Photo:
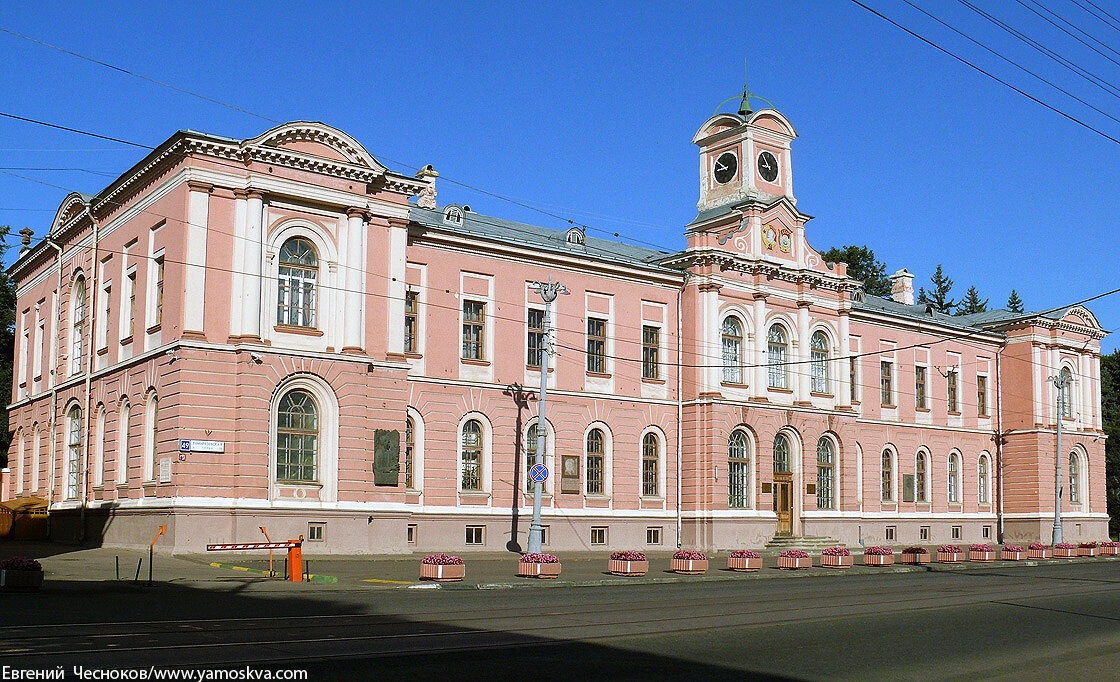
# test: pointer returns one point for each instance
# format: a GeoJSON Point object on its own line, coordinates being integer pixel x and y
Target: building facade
{"type": "Point", "coordinates": [282, 332]}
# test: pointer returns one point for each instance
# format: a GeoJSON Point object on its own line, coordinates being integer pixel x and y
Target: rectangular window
{"type": "Point", "coordinates": [649, 471]}
{"type": "Point", "coordinates": [653, 535]}
{"type": "Point", "coordinates": [598, 535]}
{"type": "Point", "coordinates": [923, 533]}
{"type": "Point", "coordinates": [920, 387]}
{"type": "Point", "coordinates": [594, 474]}
{"type": "Point", "coordinates": [410, 341]}
{"type": "Point", "coordinates": [159, 291]}
{"type": "Point", "coordinates": [410, 534]}
{"type": "Point", "coordinates": [853, 385]}
{"type": "Point", "coordinates": [952, 390]}
{"type": "Point", "coordinates": [474, 313]}
{"type": "Point", "coordinates": [534, 340]}
{"type": "Point", "coordinates": [956, 532]}
{"type": "Point", "coordinates": [596, 345]}
{"type": "Point", "coordinates": [106, 310]}
{"type": "Point", "coordinates": [982, 396]}
{"type": "Point", "coordinates": [651, 340]}
{"type": "Point", "coordinates": [476, 535]}
{"type": "Point", "coordinates": [544, 535]}
{"type": "Point", "coordinates": [130, 324]}
{"type": "Point", "coordinates": [885, 387]}
{"type": "Point", "coordinates": [889, 535]}
{"type": "Point", "coordinates": [986, 532]}
{"type": "Point", "coordinates": [315, 531]}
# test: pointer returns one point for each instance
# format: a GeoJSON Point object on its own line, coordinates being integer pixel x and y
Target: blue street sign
{"type": "Point", "coordinates": [538, 473]}
{"type": "Point", "coordinates": [184, 446]}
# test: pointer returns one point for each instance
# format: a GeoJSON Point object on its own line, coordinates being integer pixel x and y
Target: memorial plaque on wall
{"type": "Point", "coordinates": [908, 487]}
{"type": "Point", "coordinates": [569, 474]}
{"type": "Point", "coordinates": [386, 457]}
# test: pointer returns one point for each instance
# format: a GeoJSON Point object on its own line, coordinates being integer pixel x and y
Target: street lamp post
{"type": "Point", "coordinates": [548, 292]}
{"type": "Point", "coordinates": [1061, 383]}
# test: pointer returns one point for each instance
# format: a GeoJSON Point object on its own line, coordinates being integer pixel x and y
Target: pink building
{"type": "Point", "coordinates": [270, 332]}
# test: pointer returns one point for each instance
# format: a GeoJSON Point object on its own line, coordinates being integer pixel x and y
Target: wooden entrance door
{"type": "Point", "coordinates": [783, 502]}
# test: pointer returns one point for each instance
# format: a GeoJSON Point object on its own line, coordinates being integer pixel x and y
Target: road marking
{"type": "Point", "coordinates": [392, 582]}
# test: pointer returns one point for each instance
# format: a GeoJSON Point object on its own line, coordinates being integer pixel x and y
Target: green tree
{"type": "Point", "coordinates": [7, 342]}
{"type": "Point", "coordinates": [939, 298]}
{"type": "Point", "coordinates": [1110, 418]}
{"type": "Point", "coordinates": [1014, 303]}
{"type": "Point", "coordinates": [862, 265]}
{"type": "Point", "coordinates": [972, 303]}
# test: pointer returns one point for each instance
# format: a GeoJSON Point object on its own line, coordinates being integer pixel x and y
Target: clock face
{"type": "Point", "coordinates": [767, 167]}
{"type": "Point", "coordinates": [726, 167]}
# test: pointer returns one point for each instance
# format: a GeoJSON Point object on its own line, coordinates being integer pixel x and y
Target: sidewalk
{"type": "Point", "coordinates": [490, 570]}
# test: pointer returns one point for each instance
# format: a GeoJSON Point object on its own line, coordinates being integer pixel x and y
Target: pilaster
{"type": "Point", "coordinates": [194, 276]}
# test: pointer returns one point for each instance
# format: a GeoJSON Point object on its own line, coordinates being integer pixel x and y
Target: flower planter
{"type": "Point", "coordinates": [527, 569]}
{"type": "Point", "coordinates": [742, 563]}
{"type": "Point", "coordinates": [1012, 556]}
{"type": "Point", "coordinates": [630, 568]}
{"type": "Point", "coordinates": [1086, 551]}
{"type": "Point", "coordinates": [983, 557]}
{"type": "Point", "coordinates": [1109, 551]}
{"type": "Point", "coordinates": [18, 579]}
{"type": "Point", "coordinates": [950, 557]}
{"type": "Point", "coordinates": [443, 573]}
{"type": "Point", "coordinates": [832, 561]}
{"type": "Point", "coordinates": [1065, 552]}
{"type": "Point", "coordinates": [688, 566]}
{"type": "Point", "coordinates": [878, 559]}
{"type": "Point", "coordinates": [792, 563]}
{"type": "Point", "coordinates": [1038, 553]}
{"type": "Point", "coordinates": [913, 558]}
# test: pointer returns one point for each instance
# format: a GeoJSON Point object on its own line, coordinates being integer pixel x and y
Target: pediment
{"type": "Point", "coordinates": [71, 207]}
{"type": "Point", "coordinates": [1081, 316]}
{"type": "Point", "coordinates": [317, 140]}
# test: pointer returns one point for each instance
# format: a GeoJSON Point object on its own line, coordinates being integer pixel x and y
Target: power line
{"type": "Point", "coordinates": [1066, 31]}
{"type": "Point", "coordinates": [1111, 21]}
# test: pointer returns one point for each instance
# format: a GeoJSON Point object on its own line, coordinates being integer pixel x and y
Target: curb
{"type": "Point", "coordinates": [312, 577]}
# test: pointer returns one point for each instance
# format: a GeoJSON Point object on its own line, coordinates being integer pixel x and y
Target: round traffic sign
{"type": "Point", "coordinates": [538, 473]}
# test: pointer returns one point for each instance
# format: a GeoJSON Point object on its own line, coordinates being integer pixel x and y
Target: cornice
{"type": "Point", "coordinates": [733, 262]}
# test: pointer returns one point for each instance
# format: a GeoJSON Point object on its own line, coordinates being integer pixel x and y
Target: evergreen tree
{"type": "Point", "coordinates": [863, 266]}
{"type": "Point", "coordinates": [7, 341]}
{"type": "Point", "coordinates": [939, 297]}
{"type": "Point", "coordinates": [1110, 420]}
{"type": "Point", "coordinates": [972, 303]}
{"type": "Point", "coordinates": [1014, 303]}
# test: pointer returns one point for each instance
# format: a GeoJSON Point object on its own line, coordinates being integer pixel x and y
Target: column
{"type": "Point", "coordinates": [760, 379]}
{"type": "Point", "coordinates": [398, 243]}
{"type": "Point", "coordinates": [803, 370]}
{"type": "Point", "coordinates": [1085, 365]}
{"type": "Point", "coordinates": [351, 262]}
{"type": "Point", "coordinates": [237, 277]}
{"type": "Point", "coordinates": [1052, 364]}
{"type": "Point", "coordinates": [710, 357]}
{"type": "Point", "coordinates": [194, 276]}
{"type": "Point", "coordinates": [1036, 382]}
{"type": "Point", "coordinates": [843, 366]}
{"type": "Point", "coordinates": [253, 266]}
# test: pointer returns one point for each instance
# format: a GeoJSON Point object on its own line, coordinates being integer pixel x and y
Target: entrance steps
{"type": "Point", "coordinates": [809, 543]}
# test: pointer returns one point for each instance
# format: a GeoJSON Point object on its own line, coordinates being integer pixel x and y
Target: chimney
{"type": "Point", "coordinates": [427, 196]}
{"type": "Point", "coordinates": [902, 287]}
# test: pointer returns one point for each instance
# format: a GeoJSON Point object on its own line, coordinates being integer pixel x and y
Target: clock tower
{"type": "Point", "coordinates": [744, 156]}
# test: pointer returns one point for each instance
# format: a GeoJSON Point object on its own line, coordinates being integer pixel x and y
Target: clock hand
{"type": "Point", "coordinates": [720, 167]}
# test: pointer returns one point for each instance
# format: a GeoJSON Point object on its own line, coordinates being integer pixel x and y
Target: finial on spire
{"type": "Point", "coordinates": [746, 95]}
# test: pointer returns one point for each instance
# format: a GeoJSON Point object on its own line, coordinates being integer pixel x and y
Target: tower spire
{"type": "Point", "coordinates": [746, 95]}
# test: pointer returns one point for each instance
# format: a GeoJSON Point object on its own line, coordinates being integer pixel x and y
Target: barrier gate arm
{"type": "Point", "coordinates": [294, 547]}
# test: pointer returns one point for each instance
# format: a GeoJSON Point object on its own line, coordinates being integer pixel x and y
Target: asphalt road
{"type": "Point", "coordinates": [1040, 622]}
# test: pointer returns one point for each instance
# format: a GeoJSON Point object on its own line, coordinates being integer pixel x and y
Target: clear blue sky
{"type": "Point", "coordinates": [589, 113]}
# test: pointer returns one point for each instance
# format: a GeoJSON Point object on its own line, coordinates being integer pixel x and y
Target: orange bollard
{"type": "Point", "coordinates": [295, 563]}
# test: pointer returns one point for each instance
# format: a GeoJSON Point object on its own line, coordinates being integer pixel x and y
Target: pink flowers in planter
{"type": "Point", "coordinates": [628, 563]}
{"type": "Point", "coordinates": [836, 557]}
{"type": "Point", "coordinates": [794, 554]}
{"type": "Point", "coordinates": [1065, 550]}
{"type": "Point", "coordinates": [628, 556]}
{"type": "Point", "coordinates": [878, 550]}
{"type": "Point", "coordinates": [689, 555]}
{"type": "Point", "coordinates": [950, 554]}
{"type": "Point", "coordinates": [981, 548]}
{"type": "Point", "coordinates": [538, 558]}
{"type": "Point", "coordinates": [836, 551]}
{"type": "Point", "coordinates": [915, 555]}
{"type": "Point", "coordinates": [1013, 553]}
{"type": "Point", "coordinates": [791, 559]}
{"type": "Point", "coordinates": [1065, 545]}
{"type": "Point", "coordinates": [20, 563]}
{"type": "Point", "coordinates": [751, 554]}
{"type": "Point", "coordinates": [1037, 550]}
{"type": "Point", "coordinates": [1110, 548]}
{"type": "Point", "coordinates": [1086, 549]}
{"type": "Point", "coordinates": [538, 565]}
{"type": "Point", "coordinates": [950, 549]}
{"type": "Point", "coordinates": [442, 560]}
{"type": "Point", "coordinates": [981, 552]}
{"type": "Point", "coordinates": [1110, 543]}
{"type": "Point", "coordinates": [688, 562]}
{"type": "Point", "coordinates": [1016, 548]}
{"type": "Point", "coordinates": [915, 550]}
{"type": "Point", "coordinates": [744, 560]}
{"type": "Point", "coordinates": [878, 555]}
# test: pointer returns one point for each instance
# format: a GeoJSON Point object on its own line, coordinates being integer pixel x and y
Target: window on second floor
{"type": "Point", "coordinates": [596, 345]}
{"type": "Point", "coordinates": [535, 338]}
{"type": "Point", "coordinates": [296, 283]}
{"type": "Point", "coordinates": [651, 349]}
{"type": "Point", "coordinates": [78, 328]}
{"type": "Point", "coordinates": [818, 357]}
{"type": "Point", "coordinates": [951, 390]}
{"type": "Point", "coordinates": [777, 350]}
{"type": "Point", "coordinates": [886, 387]}
{"type": "Point", "coordinates": [982, 396]}
{"type": "Point", "coordinates": [732, 341]}
{"type": "Point", "coordinates": [920, 387]}
{"type": "Point", "coordinates": [411, 342]}
{"type": "Point", "coordinates": [474, 316]}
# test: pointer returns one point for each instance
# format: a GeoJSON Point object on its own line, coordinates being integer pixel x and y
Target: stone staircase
{"type": "Point", "coordinates": [809, 543]}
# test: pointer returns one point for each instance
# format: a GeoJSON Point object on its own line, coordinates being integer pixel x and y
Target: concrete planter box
{"type": "Point", "coordinates": [1038, 553]}
{"type": "Point", "coordinates": [830, 561]}
{"type": "Point", "coordinates": [913, 558]}
{"type": "Point", "coordinates": [443, 573]}
{"type": "Point", "coordinates": [878, 559]}
{"type": "Point", "coordinates": [792, 563]}
{"type": "Point", "coordinates": [744, 563]}
{"type": "Point", "coordinates": [688, 566]}
{"type": "Point", "coordinates": [1086, 551]}
{"type": "Point", "coordinates": [1065, 552]}
{"type": "Point", "coordinates": [21, 580]}
{"type": "Point", "coordinates": [983, 557]}
{"type": "Point", "coordinates": [1012, 556]}
{"type": "Point", "coordinates": [629, 568]}
{"type": "Point", "coordinates": [1110, 551]}
{"type": "Point", "coordinates": [950, 557]}
{"type": "Point", "coordinates": [533, 570]}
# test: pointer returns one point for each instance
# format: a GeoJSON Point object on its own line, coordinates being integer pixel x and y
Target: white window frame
{"type": "Point", "coordinates": [662, 446]}
{"type": "Point", "coordinates": [151, 445]}
{"type": "Point", "coordinates": [99, 447]}
{"type": "Point", "coordinates": [485, 460]}
{"type": "Point", "coordinates": [327, 463]}
{"type": "Point", "coordinates": [953, 487]}
{"type": "Point", "coordinates": [124, 417]}
{"type": "Point", "coordinates": [751, 459]}
{"type": "Point", "coordinates": [417, 449]}
{"type": "Point", "coordinates": [608, 460]}
{"type": "Point", "coordinates": [79, 338]}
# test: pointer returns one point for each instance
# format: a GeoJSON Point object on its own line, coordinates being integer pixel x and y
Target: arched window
{"type": "Point", "coordinates": [299, 270]}
{"type": "Point", "coordinates": [297, 438]}
{"type": "Point", "coordinates": [20, 467]}
{"type": "Point", "coordinates": [1074, 479]}
{"type": "Point", "coordinates": [595, 452]}
{"type": "Point", "coordinates": [472, 455]}
{"type": "Point", "coordinates": [651, 458]}
{"type": "Point", "coordinates": [732, 333]}
{"type": "Point", "coordinates": [982, 470]}
{"type": "Point", "coordinates": [73, 452]}
{"type": "Point", "coordinates": [738, 470]}
{"type": "Point", "coordinates": [888, 476]}
{"type": "Point", "coordinates": [78, 326]}
{"type": "Point", "coordinates": [1065, 400]}
{"type": "Point", "coordinates": [409, 444]}
{"type": "Point", "coordinates": [151, 420]}
{"type": "Point", "coordinates": [777, 347]}
{"type": "Point", "coordinates": [921, 478]}
{"type": "Point", "coordinates": [99, 447]}
{"type": "Point", "coordinates": [954, 478]}
{"type": "Point", "coordinates": [826, 474]}
{"type": "Point", "coordinates": [818, 357]}
{"type": "Point", "coordinates": [781, 454]}
{"type": "Point", "coordinates": [122, 443]}
{"type": "Point", "coordinates": [531, 438]}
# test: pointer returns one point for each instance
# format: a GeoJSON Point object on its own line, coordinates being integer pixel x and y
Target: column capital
{"type": "Point", "coordinates": [254, 194]}
{"type": "Point", "coordinates": [709, 286]}
{"type": "Point", "coordinates": [357, 212]}
{"type": "Point", "coordinates": [397, 222]}
{"type": "Point", "coordinates": [241, 194]}
{"type": "Point", "coordinates": [802, 305]}
{"type": "Point", "coordinates": [196, 186]}
{"type": "Point", "coordinates": [759, 296]}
